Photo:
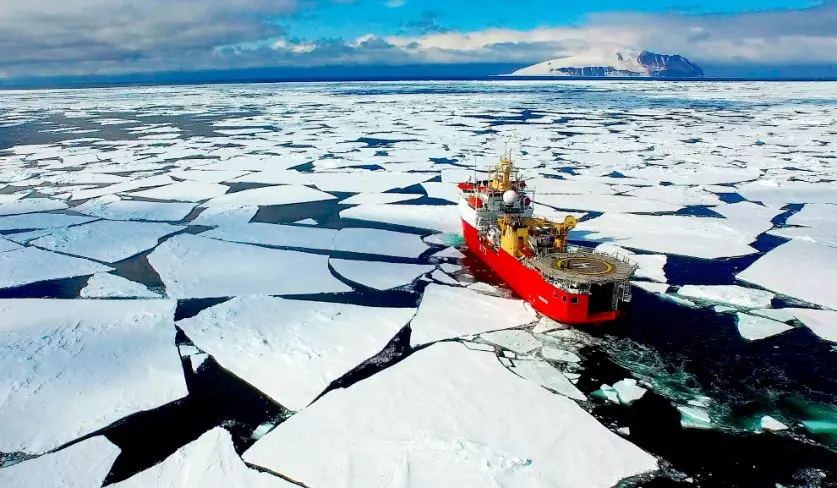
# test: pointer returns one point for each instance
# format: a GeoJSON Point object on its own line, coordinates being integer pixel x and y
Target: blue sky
{"type": "Point", "coordinates": [47, 38]}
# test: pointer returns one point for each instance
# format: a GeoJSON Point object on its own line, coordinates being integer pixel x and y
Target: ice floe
{"type": "Point", "coordinates": [700, 237]}
{"type": "Point", "coordinates": [31, 265]}
{"type": "Point", "coordinates": [114, 208]}
{"type": "Point", "coordinates": [449, 253]}
{"type": "Point", "coordinates": [485, 288]}
{"type": "Point", "coordinates": [151, 181]}
{"type": "Point", "coordinates": [30, 205]}
{"type": "Point", "coordinates": [444, 218]}
{"type": "Point", "coordinates": [755, 328]}
{"type": "Point", "coordinates": [271, 195]}
{"type": "Point", "coordinates": [737, 296]}
{"type": "Point", "coordinates": [41, 221]}
{"type": "Point", "coordinates": [197, 267]}
{"type": "Point", "coordinates": [72, 367]}
{"type": "Point", "coordinates": [210, 461]}
{"type": "Point", "coordinates": [560, 355]}
{"type": "Point", "coordinates": [8, 245]}
{"type": "Point", "coordinates": [628, 391]}
{"type": "Point", "coordinates": [378, 198]}
{"type": "Point", "coordinates": [106, 240]}
{"type": "Point", "coordinates": [457, 435]}
{"type": "Point", "coordinates": [292, 350]}
{"type": "Point", "coordinates": [447, 312]}
{"type": "Point", "coordinates": [658, 288]}
{"type": "Point", "coordinates": [798, 269]}
{"type": "Point", "coordinates": [379, 275]}
{"type": "Point", "coordinates": [184, 191]}
{"type": "Point", "coordinates": [769, 423]}
{"type": "Point", "coordinates": [382, 242]}
{"type": "Point", "coordinates": [519, 341]}
{"type": "Point", "coordinates": [441, 277]}
{"type": "Point", "coordinates": [367, 181]}
{"type": "Point", "coordinates": [106, 285]}
{"type": "Point", "coordinates": [442, 191]}
{"type": "Point", "coordinates": [547, 376]}
{"type": "Point", "coordinates": [777, 194]}
{"type": "Point", "coordinates": [692, 417]}
{"type": "Point", "coordinates": [224, 216]}
{"type": "Point", "coordinates": [83, 465]}
{"type": "Point", "coordinates": [823, 323]}
{"type": "Point", "coordinates": [606, 203]}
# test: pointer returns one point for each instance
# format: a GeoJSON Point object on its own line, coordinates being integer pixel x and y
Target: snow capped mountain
{"type": "Point", "coordinates": [618, 63]}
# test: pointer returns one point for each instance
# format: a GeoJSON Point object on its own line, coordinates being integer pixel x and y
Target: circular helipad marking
{"type": "Point", "coordinates": [585, 266]}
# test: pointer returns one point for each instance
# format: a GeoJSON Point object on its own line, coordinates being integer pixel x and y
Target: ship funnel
{"type": "Point", "coordinates": [510, 197]}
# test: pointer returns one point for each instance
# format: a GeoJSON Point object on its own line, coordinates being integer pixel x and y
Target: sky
{"type": "Point", "coordinates": [48, 38]}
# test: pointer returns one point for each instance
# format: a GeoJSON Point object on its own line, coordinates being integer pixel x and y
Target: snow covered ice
{"type": "Point", "coordinates": [106, 285]}
{"type": "Point", "coordinates": [30, 265]}
{"type": "Point", "coordinates": [292, 350]}
{"type": "Point", "coordinates": [460, 433]}
{"type": "Point", "coordinates": [83, 465]}
{"type": "Point", "coordinates": [737, 296]}
{"type": "Point", "coordinates": [755, 328]}
{"type": "Point", "coordinates": [379, 275]}
{"type": "Point", "coordinates": [72, 367]}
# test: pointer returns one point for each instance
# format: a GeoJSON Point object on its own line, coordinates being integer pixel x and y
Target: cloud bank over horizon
{"type": "Point", "coordinates": [104, 37]}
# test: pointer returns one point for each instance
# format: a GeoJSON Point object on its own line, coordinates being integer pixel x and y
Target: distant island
{"type": "Point", "coordinates": [616, 64]}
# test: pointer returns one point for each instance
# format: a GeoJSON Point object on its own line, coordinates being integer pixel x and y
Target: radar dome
{"type": "Point", "coordinates": [510, 197]}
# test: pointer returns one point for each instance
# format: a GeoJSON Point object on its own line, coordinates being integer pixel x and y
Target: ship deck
{"type": "Point", "coordinates": [583, 267]}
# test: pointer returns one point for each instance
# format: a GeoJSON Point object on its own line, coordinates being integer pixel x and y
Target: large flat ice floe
{"type": "Point", "coordinates": [72, 367]}
{"type": "Point", "coordinates": [737, 296]}
{"type": "Point", "coordinates": [799, 269]}
{"type": "Point", "coordinates": [83, 465]}
{"type": "Point", "coordinates": [607, 203]}
{"type": "Point", "coordinates": [755, 328]}
{"type": "Point", "coordinates": [197, 267]}
{"type": "Point", "coordinates": [184, 191]}
{"type": "Point", "coordinates": [30, 205]}
{"type": "Point", "coordinates": [115, 208]}
{"type": "Point", "coordinates": [106, 240]}
{"type": "Point", "coordinates": [379, 275]}
{"type": "Point", "coordinates": [209, 462]}
{"type": "Point", "coordinates": [449, 312]}
{"type": "Point", "coordinates": [444, 218]}
{"type": "Point", "coordinates": [226, 215]}
{"type": "Point", "coordinates": [30, 265]}
{"type": "Point", "coordinates": [41, 221]}
{"type": "Point", "coordinates": [271, 195]}
{"type": "Point", "coordinates": [700, 237]}
{"type": "Point", "coordinates": [367, 181]}
{"type": "Point", "coordinates": [106, 285]}
{"type": "Point", "coordinates": [823, 323]}
{"type": "Point", "coordinates": [292, 350]}
{"type": "Point", "coordinates": [460, 432]}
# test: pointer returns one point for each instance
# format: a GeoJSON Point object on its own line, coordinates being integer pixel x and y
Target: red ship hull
{"type": "Point", "coordinates": [547, 299]}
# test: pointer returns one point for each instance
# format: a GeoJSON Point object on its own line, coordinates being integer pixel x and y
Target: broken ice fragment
{"type": "Point", "coordinates": [450, 252]}
{"type": "Point", "coordinates": [484, 288]}
{"type": "Point", "coordinates": [271, 195]}
{"type": "Point", "coordinates": [607, 393]}
{"type": "Point", "coordinates": [628, 391]}
{"type": "Point", "coordinates": [31, 265]}
{"type": "Point", "coordinates": [554, 354]}
{"type": "Point", "coordinates": [734, 295]}
{"type": "Point", "coordinates": [378, 198]}
{"type": "Point", "coordinates": [519, 341]}
{"type": "Point", "coordinates": [755, 328]}
{"type": "Point", "coordinates": [820, 426]}
{"type": "Point", "coordinates": [547, 376]}
{"type": "Point", "coordinates": [379, 275]}
{"type": "Point", "coordinates": [114, 208]}
{"type": "Point", "coordinates": [226, 215]}
{"type": "Point", "coordinates": [184, 191]}
{"type": "Point", "coordinates": [197, 360]}
{"type": "Point", "coordinates": [441, 277]}
{"type": "Point", "coordinates": [769, 423]}
{"type": "Point", "coordinates": [41, 221]}
{"type": "Point", "coordinates": [444, 218]}
{"type": "Point", "coordinates": [30, 205]}
{"type": "Point", "coordinates": [82, 465]}
{"type": "Point", "coordinates": [694, 418]}
{"type": "Point", "coordinates": [106, 285]}
{"type": "Point", "coordinates": [823, 323]}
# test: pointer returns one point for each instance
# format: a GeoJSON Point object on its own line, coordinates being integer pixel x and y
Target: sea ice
{"type": "Point", "coordinates": [378, 198]}
{"type": "Point", "coordinates": [737, 296]}
{"type": "Point", "coordinates": [815, 215]}
{"type": "Point", "coordinates": [271, 195]}
{"type": "Point", "coordinates": [799, 269]}
{"type": "Point", "coordinates": [31, 265]}
{"type": "Point", "coordinates": [184, 191]}
{"type": "Point", "coordinates": [30, 205]}
{"type": "Point", "coordinates": [82, 465]}
{"type": "Point", "coordinates": [8, 245]}
{"type": "Point", "coordinates": [196, 267]}
{"type": "Point", "coordinates": [700, 237]}
{"type": "Point", "coordinates": [607, 393]}
{"type": "Point", "coordinates": [446, 313]}
{"type": "Point", "coordinates": [367, 181]}
{"type": "Point", "coordinates": [106, 240]}
{"type": "Point", "coordinates": [224, 216]}
{"type": "Point", "coordinates": [443, 278]}
{"type": "Point", "coordinates": [658, 288]}
{"type": "Point", "coordinates": [694, 417]}
{"type": "Point", "coordinates": [823, 323]}
{"type": "Point", "coordinates": [72, 367]}
{"type": "Point", "coordinates": [484, 288]}
{"type": "Point", "coordinates": [205, 176]}
{"type": "Point", "coordinates": [628, 391]}
{"type": "Point", "coordinates": [769, 423]}
{"type": "Point", "coordinates": [106, 285]}
{"type": "Point", "coordinates": [519, 341]}
{"type": "Point", "coordinates": [547, 376]}
{"type": "Point", "coordinates": [460, 432]}
{"type": "Point", "coordinates": [778, 194]}
{"type": "Point", "coordinates": [308, 221]}
{"type": "Point", "coordinates": [41, 221]}
{"type": "Point", "coordinates": [292, 350]}
{"type": "Point", "coordinates": [275, 235]}
{"type": "Point", "coordinates": [444, 218]}
{"type": "Point", "coordinates": [382, 242]}
{"type": "Point", "coordinates": [127, 186]}
{"type": "Point", "coordinates": [209, 462]}
{"type": "Point", "coordinates": [442, 191]}
{"type": "Point", "coordinates": [554, 354]}
{"type": "Point", "coordinates": [606, 203]}
{"type": "Point", "coordinates": [777, 314]}
{"type": "Point", "coordinates": [114, 208]}
{"type": "Point", "coordinates": [449, 253]}
{"type": "Point", "coordinates": [379, 275]}
{"type": "Point", "coordinates": [825, 235]}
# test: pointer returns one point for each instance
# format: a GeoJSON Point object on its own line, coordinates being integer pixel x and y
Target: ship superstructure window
{"type": "Point", "coordinates": [574, 301]}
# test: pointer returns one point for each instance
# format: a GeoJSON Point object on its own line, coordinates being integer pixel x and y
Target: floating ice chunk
{"type": "Point", "coordinates": [555, 354]}
{"type": "Point", "coordinates": [114, 208]}
{"type": "Point", "coordinates": [748, 217]}
{"type": "Point", "coordinates": [694, 174]}
{"type": "Point", "coordinates": [224, 216]}
{"type": "Point", "coordinates": [828, 427]}
{"type": "Point", "coordinates": [184, 191]}
{"type": "Point", "coordinates": [275, 235]}
{"type": "Point", "coordinates": [446, 313]}
{"type": "Point", "coordinates": [701, 237]}
{"type": "Point", "coordinates": [546, 324]}
{"type": "Point", "coordinates": [41, 221]}
{"type": "Point", "coordinates": [383, 242]}
{"type": "Point", "coordinates": [628, 391]}
{"type": "Point", "coordinates": [210, 461]}
{"type": "Point", "coordinates": [367, 181]}
{"type": "Point", "coordinates": [449, 253]}
{"type": "Point", "coordinates": [186, 350]}
{"type": "Point", "coordinates": [677, 195]}
{"type": "Point", "coordinates": [545, 375]}
{"type": "Point", "coordinates": [205, 176]}
{"type": "Point", "coordinates": [106, 240]}
{"type": "Point", "coordinates": [197, 360]}
{"type": "Point", "coordinates": [823, 323]}
{"type": "Point", "coordinates": [777, 314]}
{"type": "Point", "coordinates": [769, 423]}
{"type": "Point", "coordinates": [379, 275]}
{"type": "Point", "coordinates": [815, 215]}
{"type": "Point", "coordinates": [72, 367]}
{"type": "Point", "coordinates": [442, 191]}
{"type": "Point", "coordinates": [106, 285]}
{"type": "Point", "coordinates": [271, 195]}
{"type": "Point", "coordinates": [685, 302]}
{"type": "Point", "coordinates": [799, 269]}
{"type": "Point", "coordinates": [289, 349]}
{"type": "Point", "coordinates": [30, 205]}
{"type": "Point", "coordinates": [450, 268]}
{"type": "Point", "coordinates": [659, 288]}
{"type": "Point", "coordinates": [441, 277]}
{"type": "Point", "coordinates": [127, 186]}
{"type": "Point", "coordinates": [737, 296]}
{"type": "Point", "coordinates": [694, 418]}
{"type": "Point", "coordinates": [307, 222]}
{"type": "Point", "coordinates": [8, 245]}
{"type": "Point", "coordinates": [275, 177]}
{"type": "Point", "coordinates": [459, 433]}
{"type": "Point", "coordinates": [626, 431]}
{"type": "Point", "coordinates": [484, 288]}
{"type": "Point", "coordinates": [444, 218]}
{"type": "Point", "coordinates": [506, 362]}
{"type": "Point", "coordinates": [606, 203]}
{"type": "Point", "coordinates": [30, 265]}
{"type": "Point", "coordinates": [378, 198]}
{"type": "Point", "coordinates": [196, 267]}
{"type": "Point", "coordinates": [262, 430]}
{"type": "Point", "coordinates": [83, 465]}
{"type": "Point", "coordinates": [778, 194]}
{"type": "Point", "coordinates": [519, 341]}
{"type": "Point", "coordinates": [723, 309]}
{"type": "Point", "coordinates": [607, 393]}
